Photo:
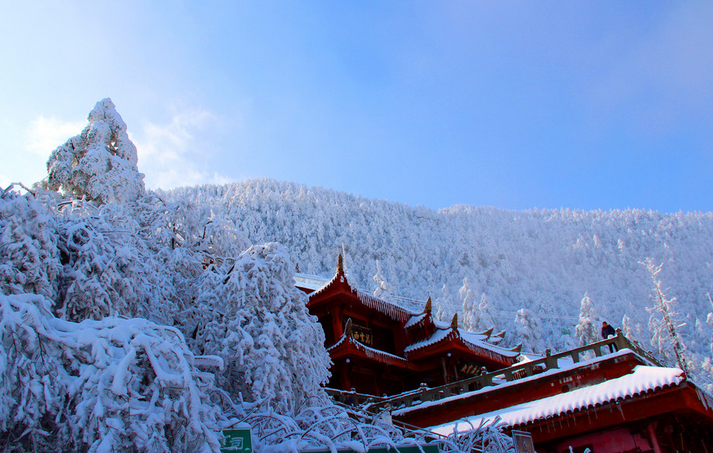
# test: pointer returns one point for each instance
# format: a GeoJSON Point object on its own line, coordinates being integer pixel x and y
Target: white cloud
{"type": "Point", "coordinates": [4, 182]}
{"type": "Point", "coordinates": [27, 146]}
{"type": "Point", "coordinates": [172, 155]}
{"type": "Point", "coordinates": [46, 134]}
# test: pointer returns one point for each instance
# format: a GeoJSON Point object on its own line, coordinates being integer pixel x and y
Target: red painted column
{"type": "Point", "coordinates": [652, 438]}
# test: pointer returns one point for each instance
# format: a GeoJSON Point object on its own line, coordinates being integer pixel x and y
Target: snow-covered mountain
{"type": "Point", "coordinates": [487, 263]}
{"type": "Point", "coordinates": [206, 275]}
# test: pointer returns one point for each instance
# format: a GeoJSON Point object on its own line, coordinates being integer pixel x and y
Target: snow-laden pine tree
{"type": "Point", "coordinates": [483, 314]}
{"type": "Point", "coordinates": [587, 329]}
{"type": "Point", "coordinates": [634, 328]}
{"type": "Point", "coordinates": [467, 297]}
{"type": "Point", "coordinates": [528, 330]}
{"type": "Point", "coordinates": [709, 320]}
{"type": "Point", "coordinates": [100, 164]}
{"type": "Point", "coordinates": [443, 304]}
{"type": "Point", "coordinates": [250, 313]}
{"type": "Point", "coordinates": [664, 321]}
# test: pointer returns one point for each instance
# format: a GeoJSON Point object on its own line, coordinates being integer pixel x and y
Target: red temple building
{"type": "Point", "coordinates": [618, 402]}
{"type": "Point", "coordinates": [607, 397]}
{"type": "Point", "coordinates": [379, 348]}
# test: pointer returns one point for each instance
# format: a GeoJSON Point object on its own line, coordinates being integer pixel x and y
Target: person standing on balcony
{"type": "Point", "coordinates": [608, 331]}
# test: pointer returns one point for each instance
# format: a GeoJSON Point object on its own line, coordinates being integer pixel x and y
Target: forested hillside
{"type": "Point", "coordinates": [520, 270]}
{"type": "Point", "coordinates": [180, 308]}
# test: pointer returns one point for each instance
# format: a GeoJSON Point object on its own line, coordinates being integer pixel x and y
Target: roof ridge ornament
{"type": "Point", "coordinates": [454, 322]}
{"type": "Point", "coordinates": [348, 327]}
{"type": "Point", "coordinates": [340, 264]}
{"type": "Point", "coordinates": [427, 310]}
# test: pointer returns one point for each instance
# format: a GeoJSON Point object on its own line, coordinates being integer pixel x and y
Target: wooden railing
{"type": "Point", "coordinates": [519, 371]}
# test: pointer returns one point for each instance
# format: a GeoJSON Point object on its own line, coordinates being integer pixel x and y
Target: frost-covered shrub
{"type": "Point", "coordinates": [250, 313]}
{"type": "Point", "coordinates": [100, 164]}
{"type": "Point", "coordinates": [98, 386]}
{"type": "Point", "coordinates": [329, 427]}
{"type": "Point", "coordinates": [487, 437]}
{"type": "Point", "coordinates": [110, 266]}
{"type": "Point", "coordinates": [29, 262]}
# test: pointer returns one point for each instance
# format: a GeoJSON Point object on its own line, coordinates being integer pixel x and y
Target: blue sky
{"type": "Point", "coordinates": [517, 105]}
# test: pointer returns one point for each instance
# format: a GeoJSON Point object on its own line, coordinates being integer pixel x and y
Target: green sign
{"type": "Point", "coordinates": [236, 440]}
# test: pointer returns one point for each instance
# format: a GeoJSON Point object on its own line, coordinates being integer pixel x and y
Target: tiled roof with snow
{"type": "Point", "coordinates": [415, 320]}
{"type": "Point", "coordinates": [472, 337]}
{"type": "Point", "coordinates": [390, 309]}
{"type": "Point", "coordinates": [307, 281]}
{"type": "Point", "coordinates": [643, 380]}
{"type": "Point", "coordinates": [380, 305]}
{"type": "Point", "coordinates": [438, 335]}
{"type": "Point", "coordinates": [488, 349]}
{"type": "Point", "coordinates": [472, 341]}
{"type": "Point", "coordinates": [370, 352]}
{"type": "Point", "coordinates": [337, 276]}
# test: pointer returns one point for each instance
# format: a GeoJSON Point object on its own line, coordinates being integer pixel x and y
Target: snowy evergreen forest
{"type": "Point", "coordinates": [539, 274]}
{"type": "Point", "coordinates": [149, 320]}
{"type": "Point", "coordinates": [134, 323]}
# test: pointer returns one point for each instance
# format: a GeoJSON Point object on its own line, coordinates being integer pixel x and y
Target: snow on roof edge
{"type": "Point", "coordinates": [644, 379]}
{"type": "Point", "coordinates": [523, 380]}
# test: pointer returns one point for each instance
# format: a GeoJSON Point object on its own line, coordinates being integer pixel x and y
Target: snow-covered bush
{"type": "Point", "coordinates": [98, 386]}
{"type": "Point", "coordinates": [250, 313]}
{"type": "Point", "coordinates": [486, 437]}
{"type": "Point", "coordinates": [29, 262]}
{"type": "Point", "coordinates": [100, 164]}
{"type": "Point", "coordinates": [332, 428]}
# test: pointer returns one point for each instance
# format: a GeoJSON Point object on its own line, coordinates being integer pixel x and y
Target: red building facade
{"type": "Point", "coordinates": [618, 402]}
{"type": "Point", "coordinates": [380, 348]}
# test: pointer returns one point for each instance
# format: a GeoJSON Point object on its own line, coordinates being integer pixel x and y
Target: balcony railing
{"type": "Point", "coordinates": [519, 371]}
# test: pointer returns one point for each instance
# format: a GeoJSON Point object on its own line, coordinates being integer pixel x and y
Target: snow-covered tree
{"type": "Point", "coordinates": [100, 164]}
{"type": "Point", "coordinates": [634, 328]}
{"type": "Point", "coordinates": [99, 386]}
{"type": "Point", "coordinates": [483, 314]}
{"type": "Point", "coordinates": [250, 313]}
{"type": "Point", "coordinates": [528, 330]}
{"type": "Point", "coordinates": [709, 319]}
{"type": "Point", "coordinates": [383, 289]}
{"type": "Point", "coordinates": [587, 329]}
{"type": "Point", "coordinates": [664, 322]}
{"type": "Point", "coordinates": [443, 302]}
{"type": "Point", "coordinates": [29, 262]}
{"type": "Point", "coordinates": [467, 297]}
